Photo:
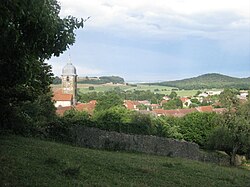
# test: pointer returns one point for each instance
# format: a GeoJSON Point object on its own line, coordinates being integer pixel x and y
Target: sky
{"type": "Point", "coordinates": [160, 40]}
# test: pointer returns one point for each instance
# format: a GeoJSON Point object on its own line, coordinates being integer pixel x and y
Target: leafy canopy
{"type": "Point", "coordinates": [31, 32]}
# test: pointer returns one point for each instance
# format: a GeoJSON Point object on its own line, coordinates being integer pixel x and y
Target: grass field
{"type": "Point", "coordinates": [32, 162]}
{"type": "Point", "coordinates": [84, 88]}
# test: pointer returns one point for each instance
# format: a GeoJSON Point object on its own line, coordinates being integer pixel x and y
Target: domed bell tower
{"type": "Point", "coordinates": [69, 81]}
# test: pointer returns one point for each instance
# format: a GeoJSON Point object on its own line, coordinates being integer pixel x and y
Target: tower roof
{"type": "Point", "coordinates": [69, 69]}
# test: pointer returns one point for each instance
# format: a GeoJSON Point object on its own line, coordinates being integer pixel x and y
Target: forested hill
{"type": "Point", "coordinates": [208, 81]}
{"type": "Point", "coordinates": [101, 80]}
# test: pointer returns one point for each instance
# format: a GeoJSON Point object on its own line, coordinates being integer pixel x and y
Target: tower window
{"type": "Point", "coordinates": [67, 78]}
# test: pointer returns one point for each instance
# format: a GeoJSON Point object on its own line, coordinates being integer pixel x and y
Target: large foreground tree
{"type": "Point", "coordinates": [31, 32]}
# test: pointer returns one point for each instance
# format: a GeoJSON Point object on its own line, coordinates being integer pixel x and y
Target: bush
{"type": "Point", "coordinates": [196, 127]}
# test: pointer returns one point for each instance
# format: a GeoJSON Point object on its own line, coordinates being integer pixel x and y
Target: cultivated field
{"type": "Point", "coordinates": [32, 162]}
{"type": "Point", "coordinates": [84, 88]}
{"type": "Point", "coordinates": [153, 88]}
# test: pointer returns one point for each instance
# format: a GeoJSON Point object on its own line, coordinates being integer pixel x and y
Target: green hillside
{"type": "Point", "coordinates": [102, 80]}
{"type": "Point", "coordinates": [209, 81]}
{"type": "Point", "coordinates": [32, 162]}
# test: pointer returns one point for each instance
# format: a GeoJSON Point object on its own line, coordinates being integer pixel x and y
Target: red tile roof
{"type": "Point", "coordinates": [175, 113]}
{"type": "Point", "coordinates": [88, 107]}
{"type": "Point", "coordinates": [59, 96]}
{"type": "Point", "coordinates": [184, 99]}
{"type": "Point", "coordinates": [205, 108]}
{"type": "Point", "coordinates": [185, 111]}
{"type": "Point", "coordinates": [60, 110]}
{"type": "Point", "coordinates": [131, 105]}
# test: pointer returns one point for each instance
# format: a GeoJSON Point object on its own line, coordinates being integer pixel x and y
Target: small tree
{"type": "Point", "coordinates": [108, 100]}
{"type": "Point", "coordinates": [228, 98]}
{"type": "Point", "coordinates": [196, 127]}
{"type": "Point", "coordinates": [173, 95]}
{"type": "Point", "coordinates": [91, 87]}
{"type": "Point", "coordinates": [173, 104]}
{"type": "Point", "coordinates": [233, 134]}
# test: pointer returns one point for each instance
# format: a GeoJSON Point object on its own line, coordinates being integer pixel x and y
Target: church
{"type": "Point", "coordinates": [65, 98]}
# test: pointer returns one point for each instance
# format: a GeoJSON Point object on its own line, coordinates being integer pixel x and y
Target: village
{"type": "Point", "coordinates": [65, 99]}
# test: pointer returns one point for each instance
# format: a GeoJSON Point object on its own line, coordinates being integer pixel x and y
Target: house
{"type": "Point", "coordinates": [212, 92]}
{"type": "Point", "coordinates": [131, 105]}
{"type": "Point", "coordinates": [243, 96]}
{"type": "Point", "coordinates": [185, 101]}
{"type": "Point", "coordinates": [166, 98]}
{"type": "Point", "coordinates": [163, 101]}
{"type": "Point", "coordinates": [145, 102]}
{"type": "Point", "coordinates": [155, 106]}
{"type": "Point", "coordinates": [61, 99]}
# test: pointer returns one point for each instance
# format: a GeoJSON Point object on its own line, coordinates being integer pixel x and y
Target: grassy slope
{"type": "Point", "coordinates": [31, 162]}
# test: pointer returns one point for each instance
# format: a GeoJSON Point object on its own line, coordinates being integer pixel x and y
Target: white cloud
{"type": "Point", "coordinates": [215, 26]}
{"type": "Point", "coordinates": [162, 18]}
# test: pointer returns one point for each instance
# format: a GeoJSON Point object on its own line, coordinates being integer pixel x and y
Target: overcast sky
{"type": "Point", "coordinates": [147, 40]}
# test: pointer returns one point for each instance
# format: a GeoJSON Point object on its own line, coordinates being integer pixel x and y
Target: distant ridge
{"type": "Point", "coordinates": [209, 81]}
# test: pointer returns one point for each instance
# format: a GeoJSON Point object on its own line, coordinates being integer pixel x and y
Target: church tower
{"type": "Point", "coordinates": [69, 81]}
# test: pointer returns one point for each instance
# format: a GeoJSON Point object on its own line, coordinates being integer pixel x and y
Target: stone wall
{"type": "Point", "coordinates": [96, 138]}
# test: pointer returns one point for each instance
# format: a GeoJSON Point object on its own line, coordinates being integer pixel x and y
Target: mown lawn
{"type": "Point", "coordinates": [32, 162]}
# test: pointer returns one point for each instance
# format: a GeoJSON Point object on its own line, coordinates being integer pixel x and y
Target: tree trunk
{"type": "Point", "coordinates": [233, 156]}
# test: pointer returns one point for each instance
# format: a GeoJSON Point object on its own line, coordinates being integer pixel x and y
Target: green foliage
{"type": "Point", "coordinates": [173, 104]}
{"type": "Point", "coordinates": [103, 80]}
{"type": "Point", "coordinates": [142, 107]}
{"type": "Point", "coordinates": [228, 98]}
{"type": "Point", "coordinates": [113, 79]}
{"type": "Point", "coordinates": [85, 98]}
{"type": "Point", "coordinates": [198, 93]}
{"type": "Point", "coordinates": [59, 129]}
{"type": "Point", "coordinates": [155, 98]}
{"type": "Point", "coordinates": [233, 134]}
{"type": "Point", "coordinates": [209, 81]}
{"type": "Point", "coordinates": [195, 101]}
{"type": "Point", "coordinates": [57, 80]}
{"type": "Point", "coordinates": [32, 162]}
{"type": "Point", "coordinates": [31, 31]}
{"type": "Point", "coordinates": [163, 128]}
{"type": "Point", "coordinates": [122, 120]}
{"type": "Point", "coordinates": [196, 127]}
{"type": "Point", "coordinates": [173, 95]}
{"type": "Point", "coordinates": [108, 100]}
{"type": "Point", "coordinates": [141, 124]}
{"type": "Point", "coordinates": [113, 119]}
{"type": "Point", "coordinates": [91, 87]}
